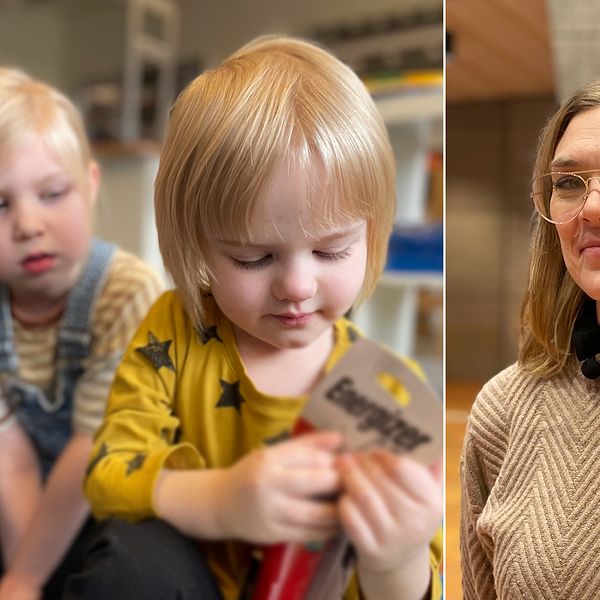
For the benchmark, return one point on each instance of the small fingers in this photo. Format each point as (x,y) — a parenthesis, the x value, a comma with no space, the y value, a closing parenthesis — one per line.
(311,482)
(315,513)
(417,481)
(369,490)
(310,520)
(356,525)
(312,449)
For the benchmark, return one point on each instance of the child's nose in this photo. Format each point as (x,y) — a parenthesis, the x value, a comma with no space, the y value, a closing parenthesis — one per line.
(296,281)
(27,223)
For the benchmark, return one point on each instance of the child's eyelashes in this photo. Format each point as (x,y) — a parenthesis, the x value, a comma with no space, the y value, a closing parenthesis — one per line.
(253,264)
(333,255)
(52,195)
(55,194)
(268,259)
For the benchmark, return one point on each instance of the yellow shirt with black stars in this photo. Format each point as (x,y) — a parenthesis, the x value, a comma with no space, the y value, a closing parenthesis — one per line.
(182,399)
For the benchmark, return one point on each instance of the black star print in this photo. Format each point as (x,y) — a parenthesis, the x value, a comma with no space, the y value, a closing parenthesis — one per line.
(209,333)
(157,352)
(177,436)
(170,436)
(101,454)
(231,396)
(280,437)
(352,334)
(135,463)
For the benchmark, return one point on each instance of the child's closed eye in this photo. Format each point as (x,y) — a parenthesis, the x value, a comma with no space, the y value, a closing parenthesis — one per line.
(268,258)
(253,264)
(55,194)
(339,255)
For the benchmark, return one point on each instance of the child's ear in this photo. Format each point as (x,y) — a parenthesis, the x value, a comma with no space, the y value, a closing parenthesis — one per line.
(93,181)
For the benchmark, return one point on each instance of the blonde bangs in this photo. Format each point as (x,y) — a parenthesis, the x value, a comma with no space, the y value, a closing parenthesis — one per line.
(273,102)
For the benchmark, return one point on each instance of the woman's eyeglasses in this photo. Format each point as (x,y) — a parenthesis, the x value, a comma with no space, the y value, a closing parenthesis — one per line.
(560,197)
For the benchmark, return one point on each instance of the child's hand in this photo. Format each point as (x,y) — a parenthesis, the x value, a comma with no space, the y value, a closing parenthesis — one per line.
(390,508)
(270,495)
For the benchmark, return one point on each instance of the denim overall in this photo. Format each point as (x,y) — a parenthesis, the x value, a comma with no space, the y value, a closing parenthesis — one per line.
(46,414)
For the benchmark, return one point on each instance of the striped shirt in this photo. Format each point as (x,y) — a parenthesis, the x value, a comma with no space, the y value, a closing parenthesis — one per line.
(130,289)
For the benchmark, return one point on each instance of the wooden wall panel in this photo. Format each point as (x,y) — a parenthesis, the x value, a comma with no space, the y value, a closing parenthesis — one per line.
(501,49)
(490,149)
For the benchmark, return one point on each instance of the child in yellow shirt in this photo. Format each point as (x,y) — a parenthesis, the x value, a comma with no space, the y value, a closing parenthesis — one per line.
(274,203)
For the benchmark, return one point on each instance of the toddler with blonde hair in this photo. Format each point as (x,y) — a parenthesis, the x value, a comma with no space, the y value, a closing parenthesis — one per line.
(274,203)
(68,307)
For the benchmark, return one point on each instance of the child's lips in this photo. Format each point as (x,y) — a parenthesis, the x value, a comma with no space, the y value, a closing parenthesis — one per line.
(38,263)
(294,319)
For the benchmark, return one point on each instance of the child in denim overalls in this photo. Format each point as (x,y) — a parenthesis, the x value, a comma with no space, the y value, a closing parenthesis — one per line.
(68,306)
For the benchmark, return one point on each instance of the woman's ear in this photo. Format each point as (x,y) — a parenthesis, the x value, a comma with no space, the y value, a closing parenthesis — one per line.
(93,176)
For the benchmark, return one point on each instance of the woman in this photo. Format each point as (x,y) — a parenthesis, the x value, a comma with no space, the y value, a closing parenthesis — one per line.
(530,520)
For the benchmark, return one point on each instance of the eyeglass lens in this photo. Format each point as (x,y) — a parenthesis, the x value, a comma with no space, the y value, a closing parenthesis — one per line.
(567,194)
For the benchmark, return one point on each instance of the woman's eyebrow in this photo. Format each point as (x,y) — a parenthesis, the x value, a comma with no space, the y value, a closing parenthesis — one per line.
(564,162)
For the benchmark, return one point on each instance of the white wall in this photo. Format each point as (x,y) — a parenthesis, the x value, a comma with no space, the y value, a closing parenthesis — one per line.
(70,42)
(34,39)
(212,29)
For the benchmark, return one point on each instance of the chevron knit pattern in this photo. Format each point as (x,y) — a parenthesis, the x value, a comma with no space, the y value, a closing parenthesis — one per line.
(530,515)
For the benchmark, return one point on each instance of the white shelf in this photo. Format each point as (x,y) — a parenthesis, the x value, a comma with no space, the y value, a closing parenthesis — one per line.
(410,107)
(403,279)
(414,121)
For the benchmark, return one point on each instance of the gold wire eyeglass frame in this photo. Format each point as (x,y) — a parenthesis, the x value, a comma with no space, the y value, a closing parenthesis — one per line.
(539,203)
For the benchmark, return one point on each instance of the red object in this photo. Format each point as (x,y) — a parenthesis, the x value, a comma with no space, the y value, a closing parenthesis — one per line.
(302,426)
(286,572)
(287,569)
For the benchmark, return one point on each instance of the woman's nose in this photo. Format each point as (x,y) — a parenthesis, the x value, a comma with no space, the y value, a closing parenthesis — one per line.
(593,184)
(296,280)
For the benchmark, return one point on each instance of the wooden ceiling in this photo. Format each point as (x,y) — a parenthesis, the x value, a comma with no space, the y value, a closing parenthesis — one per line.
(501,49)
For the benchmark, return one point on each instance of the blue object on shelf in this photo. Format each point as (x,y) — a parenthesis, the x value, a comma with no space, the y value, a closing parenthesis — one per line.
(416,248)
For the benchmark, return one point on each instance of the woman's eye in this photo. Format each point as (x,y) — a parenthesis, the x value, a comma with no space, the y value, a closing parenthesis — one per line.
(333,255)
(252,264)
(569,182)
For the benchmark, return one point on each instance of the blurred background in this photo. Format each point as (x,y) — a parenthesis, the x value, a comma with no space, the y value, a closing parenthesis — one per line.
(509,64)
(123,61)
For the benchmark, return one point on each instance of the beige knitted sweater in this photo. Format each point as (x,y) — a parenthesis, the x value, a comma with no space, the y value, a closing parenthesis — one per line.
(530,517)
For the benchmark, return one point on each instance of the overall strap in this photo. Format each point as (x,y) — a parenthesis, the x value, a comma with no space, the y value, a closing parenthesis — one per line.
(74,335)
(8,356)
